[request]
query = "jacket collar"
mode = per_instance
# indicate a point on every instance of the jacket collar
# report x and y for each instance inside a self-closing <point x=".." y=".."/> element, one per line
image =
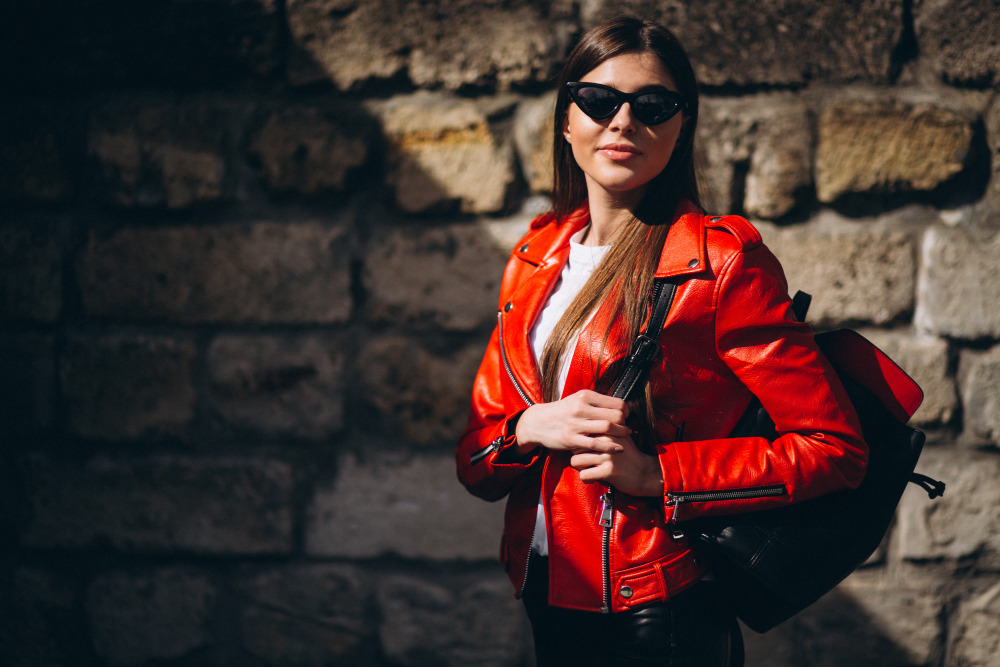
<point x="684" y="250"/>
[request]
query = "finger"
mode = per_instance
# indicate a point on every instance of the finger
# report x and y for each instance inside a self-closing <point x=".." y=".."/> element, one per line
<point x="604" y="427"/>
<point x="598" y="444"/>
<point x="587" y="460"/>
<point x="598" y="473"/>
<point x="601" y="400"/>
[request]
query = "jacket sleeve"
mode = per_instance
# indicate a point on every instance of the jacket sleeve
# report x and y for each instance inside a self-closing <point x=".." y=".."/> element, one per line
<point x="820" y="448"/>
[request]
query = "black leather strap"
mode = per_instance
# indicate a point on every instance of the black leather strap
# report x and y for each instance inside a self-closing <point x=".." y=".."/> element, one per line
<point x="647" y="342"/>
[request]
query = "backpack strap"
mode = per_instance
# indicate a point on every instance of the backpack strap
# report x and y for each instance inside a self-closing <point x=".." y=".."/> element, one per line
<point x="647" y="342"/>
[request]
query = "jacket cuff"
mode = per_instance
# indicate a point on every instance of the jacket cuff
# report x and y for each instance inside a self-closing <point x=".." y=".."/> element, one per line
<point x="670" y="468"/>
<point x="505" y="445"/>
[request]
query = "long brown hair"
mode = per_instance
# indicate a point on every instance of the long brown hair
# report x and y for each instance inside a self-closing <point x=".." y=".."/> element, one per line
<point x="625" y="275"/>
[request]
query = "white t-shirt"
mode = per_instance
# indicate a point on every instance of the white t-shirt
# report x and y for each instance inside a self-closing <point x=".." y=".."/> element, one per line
<point x="581" y="263"/>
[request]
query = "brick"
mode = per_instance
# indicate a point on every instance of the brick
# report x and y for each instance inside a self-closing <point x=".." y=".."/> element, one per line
<point x="480" y="623"/>
<point x="27" y="393"/>
<point x="262" y="272"/>
<point x="885" y="147"/>
<point x="416" y="509"/>
<point x="38" y="625"/>
<point x="958" y="39"/>
<point x="768" y="137"/>
<point x="957" y="291"/>
<point x="961" y="526"/>
<point x="278" y="386"/>
<point x="855" y="274"/>
<point x="868" y="621"/>
<point x="31" y="272"/>
<point x="442" y="150"/>
<point x="162" y="505"/>
<point x="34" y="159"/>
<point x="448" y="276"/>
<point x="979" y="375"/>
<point x="442" y="43"/>
<point x="778" y="42"/>
<point x="160" y="614"/>
<point x="925" y="359"/>
<point x="533" y="138"/>
<point x="307" y="615"/>
<point x="506" y="232"/>
<point x="424" y="396"/>
<point x="70" y="47"/>
<point x="125" y="387"/>
<point x="167" y="152"/>
<point x="309" y="150"/>
<point x="976" y="638"/>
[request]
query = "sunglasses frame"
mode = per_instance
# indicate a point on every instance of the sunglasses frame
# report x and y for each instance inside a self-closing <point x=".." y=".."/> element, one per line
<point x="574" y="86"/>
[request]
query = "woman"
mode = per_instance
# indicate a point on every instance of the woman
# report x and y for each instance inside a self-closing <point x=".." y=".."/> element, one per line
<point x="596" y="486"/>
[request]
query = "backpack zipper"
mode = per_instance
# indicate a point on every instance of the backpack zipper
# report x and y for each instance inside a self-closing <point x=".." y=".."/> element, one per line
<point x="676" y="499"/>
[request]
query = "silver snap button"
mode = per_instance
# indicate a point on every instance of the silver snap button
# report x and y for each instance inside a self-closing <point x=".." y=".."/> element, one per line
<point x="716" y="219"/>
<point x="524" y="248"/>
<point x="625" y="592"/>
<point x="693" y="263"/>
<point x="697" y="562"/>
<point x="507" y="308"/>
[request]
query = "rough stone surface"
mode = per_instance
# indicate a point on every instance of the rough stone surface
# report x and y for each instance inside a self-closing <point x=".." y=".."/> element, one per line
<point x="308" y="615"/>
<point x="764" y="140"/>
<point x="479" y="624"/>
<point x="533" y="138"/>
<point x="31" y="256"/>
<point x="979" y="375"/>
<point x="162" y="504"/>
<point x="34" y="161"/>
<point x="36" y="619"/>
<point x="71" y="47"/>
<point x="925" y="359"/>
<point x="780" y="42"/>
<point x="962" y="525"/>
<point x="307" y="150"/>
<point x="147" y="615"/>
<point x="853" y="273"/>
<point x="161" y="153"/>
<point x="867" y="622"/>
<point x="278" y="386"/>
<point x="27" y="392"/>
<point x="977" y="634"/>
<point x="124" y="387"/>
<point x="442" y="149"/>
<point x="448" y="43"/>
<point x="959" y="38"/>
<point x="882" y="147"/>
<point x="424" y="396"/>
<point x="448" y="276"/>
<point x="959" y="285"/>
<point x="259" y="272"/>
<point x="414" y="509"/>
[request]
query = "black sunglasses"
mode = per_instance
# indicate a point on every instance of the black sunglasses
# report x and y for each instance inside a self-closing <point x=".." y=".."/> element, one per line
<point x="652" y="107"/>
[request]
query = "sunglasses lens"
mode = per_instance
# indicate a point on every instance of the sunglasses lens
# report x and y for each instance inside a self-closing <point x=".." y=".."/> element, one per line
<point x="596" y="102"/>
<point x="654" y="108"/>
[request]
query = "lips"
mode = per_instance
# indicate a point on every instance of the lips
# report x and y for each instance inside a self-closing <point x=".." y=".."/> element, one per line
<point x="619" y="152"/>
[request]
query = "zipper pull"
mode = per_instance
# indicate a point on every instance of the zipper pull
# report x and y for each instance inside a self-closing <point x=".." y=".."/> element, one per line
<point x="676" y="531"/>
<point x="608" y="513"/>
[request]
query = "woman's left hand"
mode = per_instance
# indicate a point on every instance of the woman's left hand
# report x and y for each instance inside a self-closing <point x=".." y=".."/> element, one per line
<point x="629" y="471"/>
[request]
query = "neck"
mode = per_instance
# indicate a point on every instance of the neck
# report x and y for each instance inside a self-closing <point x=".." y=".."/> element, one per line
<point x="609" y="210"/>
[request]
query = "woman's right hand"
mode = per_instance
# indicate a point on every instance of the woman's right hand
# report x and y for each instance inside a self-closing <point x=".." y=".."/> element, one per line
<point x="584" y="421"/>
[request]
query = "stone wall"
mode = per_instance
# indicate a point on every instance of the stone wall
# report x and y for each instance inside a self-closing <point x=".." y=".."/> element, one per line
<point x="249" y="256"/>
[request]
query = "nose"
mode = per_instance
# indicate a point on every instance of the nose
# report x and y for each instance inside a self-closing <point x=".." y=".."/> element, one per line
<point x="623" y="121"/>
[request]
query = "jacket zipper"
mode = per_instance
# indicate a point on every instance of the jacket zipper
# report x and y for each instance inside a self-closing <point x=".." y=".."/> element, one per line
<point x="497" y="443"/>
<point x="676" y="499"/>
<point x="527" y="563"/>
<point x="607" y="521"/>
<point x="506" y="365"/>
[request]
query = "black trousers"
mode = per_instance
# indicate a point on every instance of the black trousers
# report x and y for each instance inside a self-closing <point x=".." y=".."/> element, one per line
<point x="691" y="629"/>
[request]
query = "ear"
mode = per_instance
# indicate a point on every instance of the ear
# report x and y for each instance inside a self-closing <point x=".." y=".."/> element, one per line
<point x="565" y="129"/>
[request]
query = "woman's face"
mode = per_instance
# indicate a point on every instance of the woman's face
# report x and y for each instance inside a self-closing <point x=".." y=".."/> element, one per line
<point x="621" y="153"/>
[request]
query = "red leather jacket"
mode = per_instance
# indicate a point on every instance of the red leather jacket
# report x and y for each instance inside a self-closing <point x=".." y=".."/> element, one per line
<point x="730" y="334"/>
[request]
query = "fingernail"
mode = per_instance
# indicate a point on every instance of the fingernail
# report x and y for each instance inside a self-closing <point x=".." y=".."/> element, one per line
<point x="619" y="449"/>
